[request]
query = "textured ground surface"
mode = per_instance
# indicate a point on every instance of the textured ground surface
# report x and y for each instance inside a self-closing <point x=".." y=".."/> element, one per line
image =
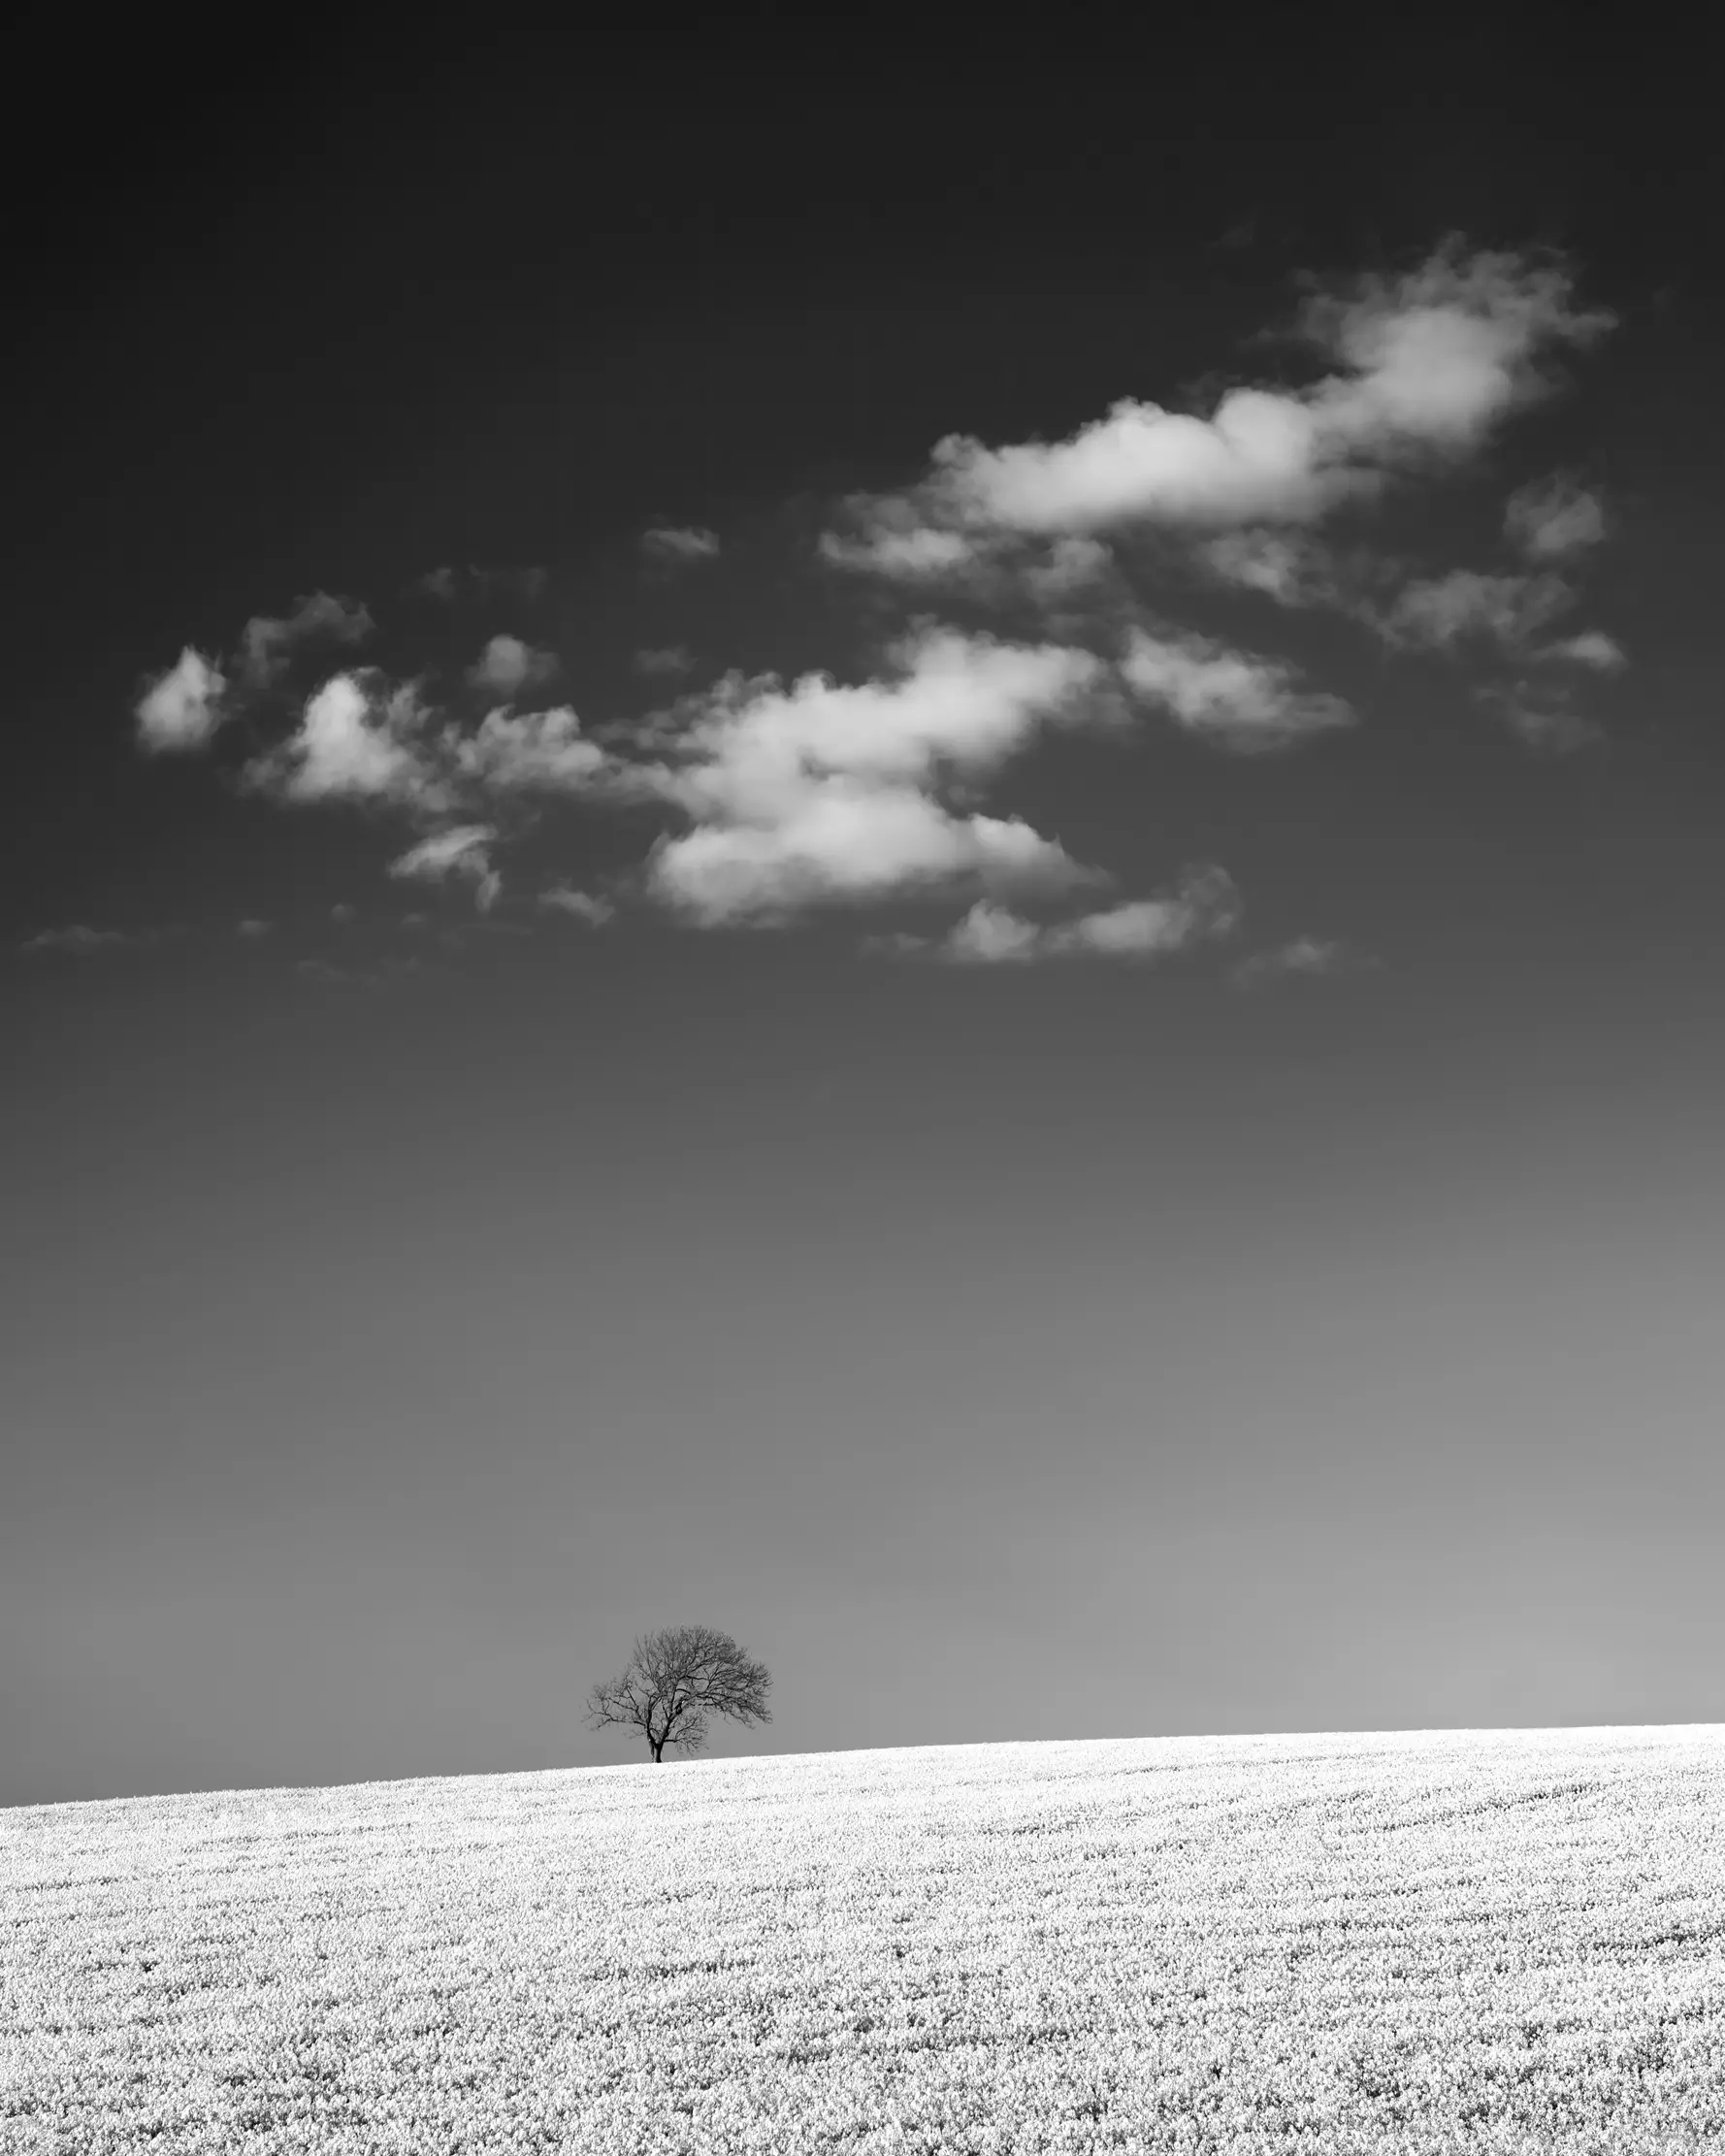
<point x="1510" y="1940"/>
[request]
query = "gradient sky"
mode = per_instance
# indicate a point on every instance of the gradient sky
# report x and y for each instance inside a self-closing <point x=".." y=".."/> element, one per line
<point x="1291" y="1305"/>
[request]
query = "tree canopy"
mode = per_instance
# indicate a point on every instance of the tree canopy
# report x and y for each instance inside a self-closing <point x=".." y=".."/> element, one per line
<point x="673" y="1680"/>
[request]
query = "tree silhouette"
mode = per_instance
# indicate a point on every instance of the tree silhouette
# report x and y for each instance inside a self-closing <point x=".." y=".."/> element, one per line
<point x="674" y="1679"/>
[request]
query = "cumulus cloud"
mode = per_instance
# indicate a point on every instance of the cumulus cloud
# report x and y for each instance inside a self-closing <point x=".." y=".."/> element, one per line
<point x="508" y="665"/>
<point x="679" y="543"/>
<point x="845" y="841"/>
<point x="1554" y="518"/>
<point x="580" y="905"/>
<point x="1423" y="367"/>
<point x="462" y="851"/>
<point x="1239" y="699"/>
<point x="1205" y="904"/>
<point x="353" y="744"/>
<point x="819" y="790"/>
<point x="533" y="751"/>
<point x="266" y="641"/>
<point x="1441" y="613"/>
<point x="183" y="707"/>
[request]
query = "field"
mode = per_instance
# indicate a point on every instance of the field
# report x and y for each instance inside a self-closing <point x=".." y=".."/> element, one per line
<point x="1509" y="1941"/>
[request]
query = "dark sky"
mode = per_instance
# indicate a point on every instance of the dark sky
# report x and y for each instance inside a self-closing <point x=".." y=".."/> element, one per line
<point x="420" y="1291"/>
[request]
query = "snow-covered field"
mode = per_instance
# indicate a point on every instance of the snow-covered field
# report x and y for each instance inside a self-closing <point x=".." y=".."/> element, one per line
<point x="1510" y="1940"/>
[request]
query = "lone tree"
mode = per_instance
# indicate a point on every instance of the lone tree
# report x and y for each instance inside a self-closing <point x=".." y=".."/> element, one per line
<point x="674" y="1679"/>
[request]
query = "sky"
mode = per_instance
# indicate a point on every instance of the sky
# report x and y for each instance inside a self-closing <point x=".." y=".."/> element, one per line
<point x="923" y="865"/>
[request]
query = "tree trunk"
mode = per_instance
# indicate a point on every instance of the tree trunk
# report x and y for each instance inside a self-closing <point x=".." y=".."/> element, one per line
<point x="657" y="1749"/>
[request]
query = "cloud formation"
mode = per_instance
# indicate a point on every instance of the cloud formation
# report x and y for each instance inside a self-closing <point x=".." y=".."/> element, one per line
<point x="1303" y="955"/>
<point x="1205" y="905"/>
<point x="508" y="665"/>
<point x="451" y="584"/>
<point x="78" y="940"/>
<point x="820" y="790"/>
<point x="181" y="708"/>
<point x="771" y="794"/>
<point x="1423" y="367"/>
<point x="579" y="905"/>
<point x="1552" y="519"/>
<point x="529" y="751"/>
<point x="1239" y="699"/>
<point x="463" y="852"/>
<point x="1442" y="613"/>
<point x="679" y="543"/>
<point x="265" y="642"/>
<point x="353" y="744"/>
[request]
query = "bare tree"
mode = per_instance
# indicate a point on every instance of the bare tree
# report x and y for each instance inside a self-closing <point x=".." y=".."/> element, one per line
<point x="674" y="1679"/>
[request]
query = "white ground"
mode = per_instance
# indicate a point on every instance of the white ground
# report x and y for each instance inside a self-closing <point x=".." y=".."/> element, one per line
<point x="1514" y="1940"/>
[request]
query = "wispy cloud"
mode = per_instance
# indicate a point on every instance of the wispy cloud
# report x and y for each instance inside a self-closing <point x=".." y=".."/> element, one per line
<point x="76" y="940"/>
<point x="1302" y="956"/>
<point x="1443" y="613"/>
<point x="579" y="905"/>
<point x="1550" y="519"/>
<point x="663" y="659"/>
<point x="1239" y="699"/>
<point x="451" y="584"/>
<point x="508" y="665"/>
<point x="1205" y="905"/>
<point x="679" y="543"/>
<point x="1591" y="648"/>
<point x="320" y="617"/>
<point x="462" y="852"/>
<point x="183" y="707"/>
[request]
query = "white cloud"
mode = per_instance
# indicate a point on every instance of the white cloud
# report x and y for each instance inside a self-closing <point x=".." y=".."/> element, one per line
<point x="352" y="745"/>
<point x="679" y="543"/>
<point x="1239" y="699"/>
<point x="582" y="905"/>
<point x="821" y="790"/>
<point x="265" y="641"/>
<point x="1440" y="612"/>
<point x="909" y="550"/>
<point x="1205" y="904"/>
<point x="845" y="841"/>
<point x="1592" y="648"/>
<point x="1554" y="518"/>
<point x="181" y="708"/>
<point x="462" y="851"/>
<point x="506" y="666"/>
<point x="1428" y="364"/>
<point x="545" y="751"/>
<point x="965" y="700"/>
